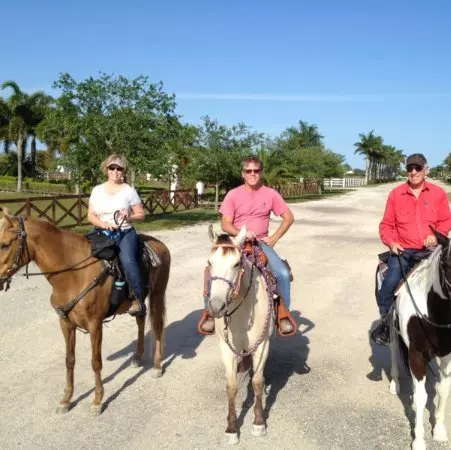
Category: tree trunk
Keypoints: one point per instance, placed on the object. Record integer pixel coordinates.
(6, 146)
(33, 156)
(367, 170)
(20, 146)
(216, 196)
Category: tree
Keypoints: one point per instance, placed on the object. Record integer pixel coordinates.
(370, 146)
(109, 114)
(27, 110)
(221, 150)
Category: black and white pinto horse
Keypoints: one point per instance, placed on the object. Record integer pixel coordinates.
(423, 310)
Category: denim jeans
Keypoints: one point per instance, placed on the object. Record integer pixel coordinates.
(128, 243)
(393, 276)
(280, 271)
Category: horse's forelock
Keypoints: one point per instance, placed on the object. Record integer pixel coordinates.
(225, 239)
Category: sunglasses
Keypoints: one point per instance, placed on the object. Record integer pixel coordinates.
(417, 167)
(252, 170)
(113, 167)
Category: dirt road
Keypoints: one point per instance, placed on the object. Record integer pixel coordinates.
(326, 387)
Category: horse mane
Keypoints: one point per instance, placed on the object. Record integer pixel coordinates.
(426, 274)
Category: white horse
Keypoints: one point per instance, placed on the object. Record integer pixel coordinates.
(423, 307)
(242, 308)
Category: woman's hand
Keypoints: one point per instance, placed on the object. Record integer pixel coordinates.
(108, 226)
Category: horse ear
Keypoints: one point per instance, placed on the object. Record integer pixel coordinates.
(241, 236)
(6, 215)
(441, 238)
(212, 233)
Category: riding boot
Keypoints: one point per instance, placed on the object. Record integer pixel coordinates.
(206, 323)
(381, 334)
(138, 306)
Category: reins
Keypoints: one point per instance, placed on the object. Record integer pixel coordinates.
(419, 313)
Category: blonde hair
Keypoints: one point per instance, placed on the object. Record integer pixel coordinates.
(110, 160)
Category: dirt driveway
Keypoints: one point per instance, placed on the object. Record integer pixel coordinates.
(326, 387)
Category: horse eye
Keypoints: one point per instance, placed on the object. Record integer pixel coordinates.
(237, 264)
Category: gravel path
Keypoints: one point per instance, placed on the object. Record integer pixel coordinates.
(326, 387)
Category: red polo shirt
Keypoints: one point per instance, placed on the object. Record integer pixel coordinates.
(407, 218)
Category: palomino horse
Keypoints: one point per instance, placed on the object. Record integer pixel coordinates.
(423, 310)
(242, 308)
(80, 289)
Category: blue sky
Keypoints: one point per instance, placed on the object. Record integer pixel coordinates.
(348, 66)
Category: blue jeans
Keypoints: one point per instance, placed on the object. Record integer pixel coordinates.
(129, 255)
(280, 271)
(394, 275)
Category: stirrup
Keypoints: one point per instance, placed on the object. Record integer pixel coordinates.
(283, 313)
(202, 320)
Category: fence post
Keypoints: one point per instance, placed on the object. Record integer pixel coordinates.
(344, 182)
(28, 207)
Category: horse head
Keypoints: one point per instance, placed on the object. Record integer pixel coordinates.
(226, 267)
(13, 247)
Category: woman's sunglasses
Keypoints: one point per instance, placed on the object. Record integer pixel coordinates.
(252, 170)
(417, 167)
(113, 167)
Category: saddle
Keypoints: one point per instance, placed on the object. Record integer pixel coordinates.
(104, 248)
(382, 268)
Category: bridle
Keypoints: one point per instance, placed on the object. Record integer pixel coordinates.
(234, 285)
(21, 250)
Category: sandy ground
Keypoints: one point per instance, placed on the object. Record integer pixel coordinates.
(326, 387)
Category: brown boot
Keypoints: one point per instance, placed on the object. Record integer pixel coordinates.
(137, 308)
(206, 324)
(285, 327)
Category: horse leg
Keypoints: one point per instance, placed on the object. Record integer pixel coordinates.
(137, 357)
(442, 394)
(157, 312)
(258, 382)
(69, 333)
(394, 370)
(230, 364)
(96, 332)
(418, 367)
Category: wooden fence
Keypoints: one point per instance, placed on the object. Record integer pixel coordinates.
(297, 189)
(69, 211)
(343, 183)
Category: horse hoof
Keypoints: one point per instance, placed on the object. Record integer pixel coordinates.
(439, 433)
(156, 373)
(136, 363)
(231, 438)
(418, 444)
(62, 409)
(95, 410)
(258, 430)
(394, 387)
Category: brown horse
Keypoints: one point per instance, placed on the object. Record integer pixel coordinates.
(64, 259)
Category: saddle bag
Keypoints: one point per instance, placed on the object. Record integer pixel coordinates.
(102, 246)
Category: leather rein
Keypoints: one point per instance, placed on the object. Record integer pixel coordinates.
(234, 285)
(23, 251)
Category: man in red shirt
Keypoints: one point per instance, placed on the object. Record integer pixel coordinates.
(411, 208)
(251, 204)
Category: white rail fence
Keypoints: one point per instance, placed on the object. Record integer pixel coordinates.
(343, 183)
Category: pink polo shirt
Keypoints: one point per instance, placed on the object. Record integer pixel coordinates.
(253, 208)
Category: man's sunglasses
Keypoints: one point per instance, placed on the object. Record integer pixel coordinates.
(113, 167)
(417, 167)
(252, 170)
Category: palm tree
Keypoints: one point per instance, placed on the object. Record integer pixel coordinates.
(26, 113)
(5, 117)
(370, 146)
(304, 135)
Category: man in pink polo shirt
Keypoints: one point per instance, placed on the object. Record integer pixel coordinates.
(409, 211)
(251, 204)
